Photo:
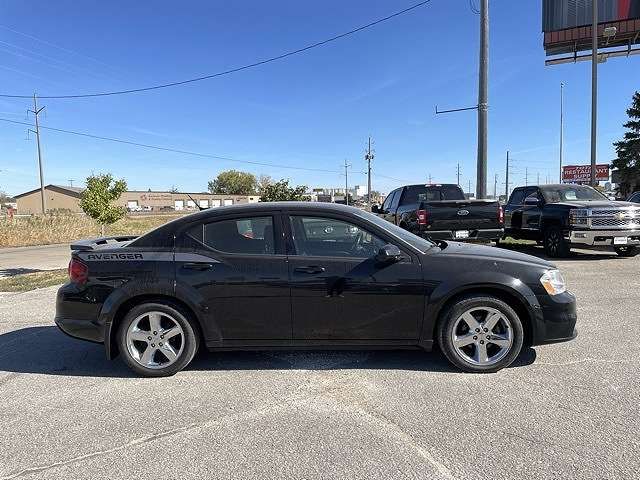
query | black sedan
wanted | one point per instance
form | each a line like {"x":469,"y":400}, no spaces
{"x":306,"y":275}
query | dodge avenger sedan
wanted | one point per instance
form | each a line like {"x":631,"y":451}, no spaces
{"x":303,"y":275}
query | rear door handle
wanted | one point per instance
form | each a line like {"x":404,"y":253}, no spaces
{"x":309,"y":269}
{"x":197,"y":266}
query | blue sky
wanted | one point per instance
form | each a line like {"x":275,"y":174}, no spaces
{"x":311,"y":110}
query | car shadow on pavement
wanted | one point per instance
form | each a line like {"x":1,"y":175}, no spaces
{"x":538,"y":251}
{"x":46,"y":350}
{"x":12,"y":272}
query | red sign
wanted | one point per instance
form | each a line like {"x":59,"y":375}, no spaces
{"x":582,"y":173}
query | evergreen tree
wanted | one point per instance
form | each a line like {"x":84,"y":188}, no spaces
{"x":628,"y":149}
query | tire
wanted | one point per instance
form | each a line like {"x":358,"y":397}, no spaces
{"x":628,"y":251}
{"x":508,"y":330}
{"x":554,"y":243}
{"x":146,"y":350}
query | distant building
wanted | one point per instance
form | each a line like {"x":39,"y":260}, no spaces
{"x":63,"y":198}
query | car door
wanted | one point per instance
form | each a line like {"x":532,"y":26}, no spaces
{"x":513,"y":210}
{"x":339,"y":292}
{"x":237,"y":269}
{"x":531,"y":211}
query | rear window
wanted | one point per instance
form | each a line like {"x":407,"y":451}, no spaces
{"x":429,"y":193}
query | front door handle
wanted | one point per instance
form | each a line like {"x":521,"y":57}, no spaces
{"x":309,"y":269}
{"x":197,"y":266}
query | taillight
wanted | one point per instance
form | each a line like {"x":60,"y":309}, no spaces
{"x":500,"y":214}
{"x":78,"y":271}
{"x":422,"y":217}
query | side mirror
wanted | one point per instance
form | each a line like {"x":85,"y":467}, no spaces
{"x":375,"y":209}
{"x":389,"y":254}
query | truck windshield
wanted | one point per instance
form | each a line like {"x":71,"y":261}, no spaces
{"x":570,"y":193}
{"x":431,"y":193}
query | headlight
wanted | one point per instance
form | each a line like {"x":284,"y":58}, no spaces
{"x":553,"y":282}
{"x":578,"y":216}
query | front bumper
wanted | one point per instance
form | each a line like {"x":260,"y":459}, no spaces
{"x":478,"y":234}
{"x":558,"y":317}
{"x":593,"y":238}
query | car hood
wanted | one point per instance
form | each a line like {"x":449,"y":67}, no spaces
{"x":597,"y":204}
{"x":492,"y":253}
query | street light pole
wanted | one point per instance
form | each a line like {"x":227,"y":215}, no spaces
{"x":561,"y":127}
{"x":594,"y":91}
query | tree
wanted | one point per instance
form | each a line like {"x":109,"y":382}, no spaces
{"x":97,"y":199}
{"x":174,"y":189}
{"x":263,"y":182}
{"x":282,"y":192}
{"x":628,"y":149}
{"x":233,"y":182}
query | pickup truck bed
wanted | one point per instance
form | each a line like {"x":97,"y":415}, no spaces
{"x":441,"y":212}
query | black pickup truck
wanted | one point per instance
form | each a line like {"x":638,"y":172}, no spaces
{"x":441,"y":212}
{"x":562,"y":216}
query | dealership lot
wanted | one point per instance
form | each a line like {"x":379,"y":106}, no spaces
{"x":563,"y":411}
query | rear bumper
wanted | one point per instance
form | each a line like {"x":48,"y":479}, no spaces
{"x":478,"y":234}
{"x":593,"y":238}
{"x":557,"y":315}
{"x":77,"y":317}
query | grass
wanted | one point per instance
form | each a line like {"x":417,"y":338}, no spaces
{"x":30,"y":281}
{"x":62,"y":228}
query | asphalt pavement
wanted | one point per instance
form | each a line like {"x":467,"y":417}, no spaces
{"x":562,"y":411}
{"x":18,"y":260}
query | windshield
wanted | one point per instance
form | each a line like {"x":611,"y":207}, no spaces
{"x":571,"y":193}
{"x":420,"y":243}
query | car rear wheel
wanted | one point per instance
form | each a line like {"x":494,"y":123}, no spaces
{"x":480,"y":334}
{"x":627,"y":251}
{"x":157,"y":340}
{"x":554,"y":243}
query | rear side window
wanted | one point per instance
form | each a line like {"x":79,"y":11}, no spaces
{"x":388,"y":200}
{"x":250,"y":235}
{"x":517,"y":197}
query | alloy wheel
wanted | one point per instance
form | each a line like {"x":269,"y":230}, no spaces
{"x":482,"y":336}
{"x":155,"y":340}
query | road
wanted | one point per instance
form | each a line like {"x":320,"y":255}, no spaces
{"x":30,"y":259}
{"x":562,"y":411}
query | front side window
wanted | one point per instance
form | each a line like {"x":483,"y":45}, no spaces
{"x":328,"y":237}
{"x":571,"y":193}
{"x":387,"y":201}
{"x":517,"y":197}
{"x":250,"y":236}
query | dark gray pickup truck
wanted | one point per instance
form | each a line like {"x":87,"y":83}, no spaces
{"x":441,"y":212}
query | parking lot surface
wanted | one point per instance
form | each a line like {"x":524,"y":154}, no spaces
{"x":562,"y":411}
{"x":16,"y":260}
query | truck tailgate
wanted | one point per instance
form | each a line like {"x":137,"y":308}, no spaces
{"x":463,"y":215}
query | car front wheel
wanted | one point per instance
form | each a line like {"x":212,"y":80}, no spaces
{"x":480,"y":334}
{"x":157,"y":340}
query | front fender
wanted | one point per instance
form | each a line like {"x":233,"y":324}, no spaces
{"x":475,"y":281}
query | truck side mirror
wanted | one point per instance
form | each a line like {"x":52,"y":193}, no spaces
{"x":375,"y":209}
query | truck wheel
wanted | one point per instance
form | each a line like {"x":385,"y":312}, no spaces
{"x":627,"y":251}
{"x":157,"y":340}
{"x":554,"y":243}
{"x":480,"y":334}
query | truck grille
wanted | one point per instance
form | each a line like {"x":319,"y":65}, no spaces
{"x":615,"y":218}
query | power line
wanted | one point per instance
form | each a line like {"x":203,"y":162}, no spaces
{"x":172,"y":150}
{"x":233,"y":70}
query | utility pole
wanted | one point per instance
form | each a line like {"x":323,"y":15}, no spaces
{"x":483,"y":98}
{"x":495,"y":186}
{"x":469,"y":187}
{"x":368,"y":157}
{"x":594,"y":91}
{"x":458,"y":170}
{"x":346,"y":182}
{"x":561,"y":126}
{"x":36,"y":113}
{"x":526,"y":176}
{"x":430,"y":179}
{"x":506,"y":178}
{"x":71,"y":182}
{"x":538,"y":182}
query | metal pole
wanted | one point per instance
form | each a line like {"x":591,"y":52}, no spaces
{"x":36,"y":112}
{"x":495,"y":186}
{"x":594,"y":91}
{"x":506,"y":179}
{"x":561,"y":127}
{"x":483,"y":95}
{"x":369,"y":157}
{"x":346,"y":182}
{"x":538,"y":181}
{"x":458,"y":173}
{"x":469,"y":187}
{"x":526,"y":176}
